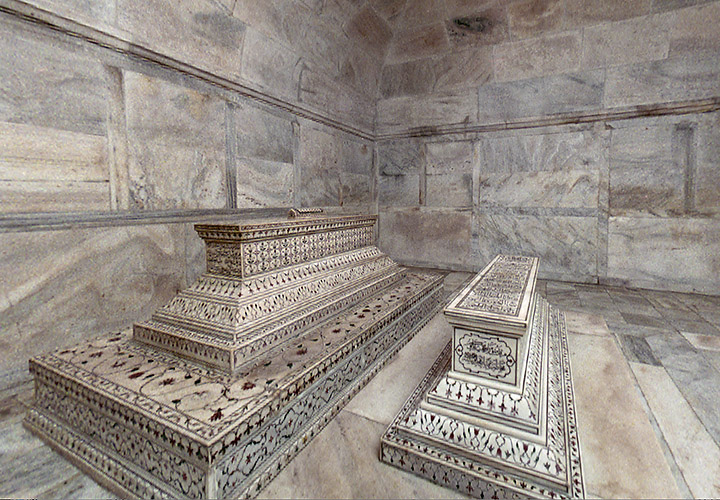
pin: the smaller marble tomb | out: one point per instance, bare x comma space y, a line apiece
495, 416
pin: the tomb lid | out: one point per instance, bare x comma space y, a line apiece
500, 298
273, 228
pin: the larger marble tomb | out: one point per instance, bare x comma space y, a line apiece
495, 415
214, 395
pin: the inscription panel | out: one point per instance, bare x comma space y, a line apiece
485, 355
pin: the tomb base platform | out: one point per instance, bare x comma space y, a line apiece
488, 441
148, 424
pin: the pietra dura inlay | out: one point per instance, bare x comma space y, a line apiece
463, 430
226, 383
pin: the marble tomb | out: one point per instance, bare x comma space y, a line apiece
495, 415
215, 394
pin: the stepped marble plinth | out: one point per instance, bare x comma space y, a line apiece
495, 416
217, 392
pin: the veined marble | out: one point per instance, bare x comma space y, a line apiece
158, 413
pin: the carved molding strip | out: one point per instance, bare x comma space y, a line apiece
117, 42
575, 118
64, 220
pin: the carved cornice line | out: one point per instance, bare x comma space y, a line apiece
573, 118
118, 43
13, 223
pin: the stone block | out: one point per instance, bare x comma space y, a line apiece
335, 168
263, 135
400, 157
269, 66
694, 30
369, 30
54, 196
674, 79
549, 95
546, 189
418, 13
200, 33
449, 166
581, 150
265, 16
50, 82
528, 18
449, 190
91, 10
586, 12
53, 294
568, 244
362, 71
435, 237
635, 40
681, 254
539, 56
707, 181
461, 69
417, 43
400, 114
483, 25
334, 99
666, 5
399, 190
388, 9
644, 174
262, 183
176, 145
408, 78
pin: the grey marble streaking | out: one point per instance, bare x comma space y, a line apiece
417, 113
547, 54
262, 183
680, 254
176, 145
424, 235
567, 244
541, 96
569, 188
262, 134
51, 82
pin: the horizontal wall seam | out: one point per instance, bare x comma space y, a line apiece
58, 221
696, 106
31, 14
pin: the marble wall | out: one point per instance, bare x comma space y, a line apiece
114, 142
582, 131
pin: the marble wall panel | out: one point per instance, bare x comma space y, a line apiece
435, 237
461, 69
63, 286
674, 79
581, 150
334, 99
539, 56
669, 253
91, 10
586, 12
547, 189
265, 16
694, 30
261, 134
400, 162
635, 40
50, 170
707, 181
567, 246
408, 78
417, 43
666, 5
644, 172
269, 66
449, 190
529, 18
542, 96
201, 33
176, 145
402, 113
369, 30
418, 13
262, 183
50, 82
335, 168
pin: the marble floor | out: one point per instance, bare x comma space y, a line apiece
646, 368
